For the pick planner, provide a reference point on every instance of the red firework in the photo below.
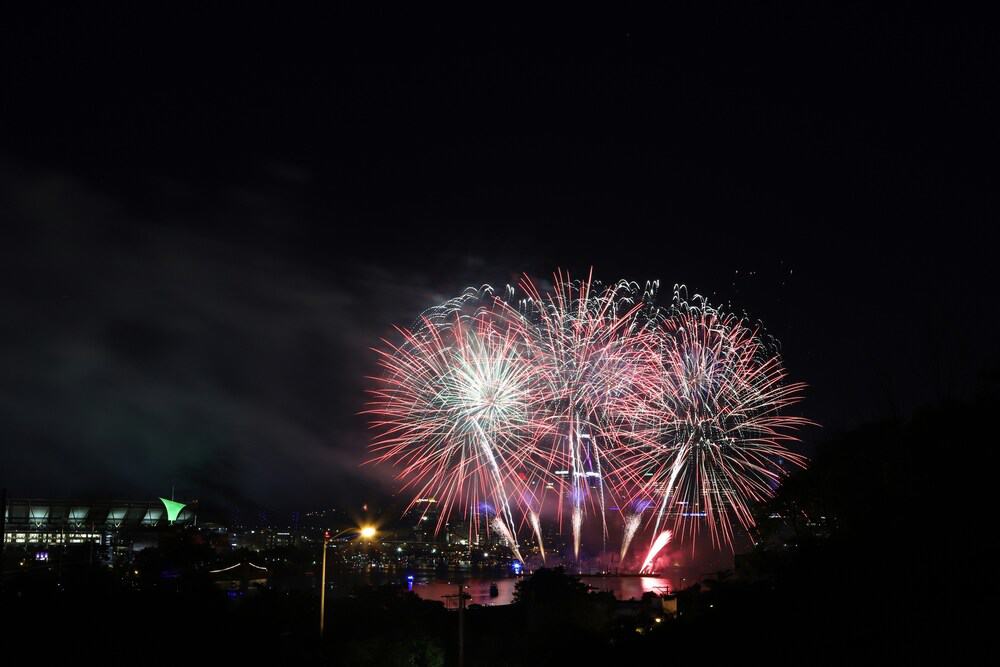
(592, 394)
(725, 442)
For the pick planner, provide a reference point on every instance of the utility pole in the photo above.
(461, 622)
(322, 590)
(3, 523)
(461, 625)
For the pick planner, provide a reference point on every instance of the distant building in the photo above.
(262, 539)
(114, 525)
(423, 519)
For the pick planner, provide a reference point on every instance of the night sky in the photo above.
(211, 217)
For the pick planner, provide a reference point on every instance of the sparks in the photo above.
(661, 541)
(591, 393)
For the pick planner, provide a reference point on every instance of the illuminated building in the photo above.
(423, 518)
(113, 525)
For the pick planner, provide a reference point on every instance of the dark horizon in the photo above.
(209, 234)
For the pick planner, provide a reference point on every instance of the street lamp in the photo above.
(366, 532)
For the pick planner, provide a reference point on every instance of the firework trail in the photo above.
(680, 459)
(537, 527)
(508, 537)
(661, 541)
(577, 526)
(632, 523)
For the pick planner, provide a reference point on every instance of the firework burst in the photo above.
(456, 409)
(598, 349)
(591, 393)
(725, 442)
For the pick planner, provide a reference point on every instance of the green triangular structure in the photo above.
(173, 509)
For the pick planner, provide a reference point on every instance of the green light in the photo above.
(173, 509)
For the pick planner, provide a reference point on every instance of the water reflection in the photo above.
(446, 591)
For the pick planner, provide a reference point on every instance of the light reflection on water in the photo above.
(443, 590)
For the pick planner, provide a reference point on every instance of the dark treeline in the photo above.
(876, 552)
